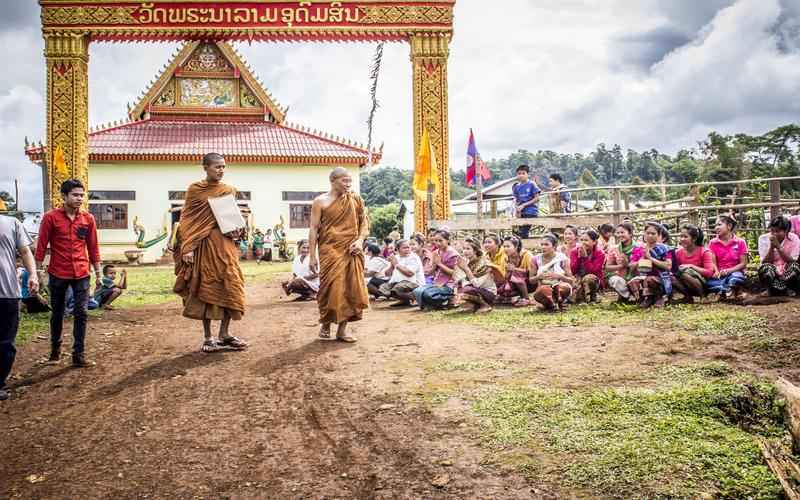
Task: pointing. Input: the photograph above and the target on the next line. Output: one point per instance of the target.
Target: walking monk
(207, 270)
(338, 228)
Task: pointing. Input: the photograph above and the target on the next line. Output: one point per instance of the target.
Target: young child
(526, 198)
(33, 302)
(107, 290)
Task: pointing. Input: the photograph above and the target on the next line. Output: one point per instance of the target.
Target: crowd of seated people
(647, 266)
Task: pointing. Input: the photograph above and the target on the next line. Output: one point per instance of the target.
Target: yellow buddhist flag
(60, 164)
(425, 169)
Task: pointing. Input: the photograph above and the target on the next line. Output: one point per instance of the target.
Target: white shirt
(377, 266)
(413, 263)
(302, 270)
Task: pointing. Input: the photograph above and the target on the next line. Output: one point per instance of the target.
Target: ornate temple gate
(68, 26)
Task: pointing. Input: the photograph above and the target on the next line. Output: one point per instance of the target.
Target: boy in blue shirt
(526, 198)
(107, 289)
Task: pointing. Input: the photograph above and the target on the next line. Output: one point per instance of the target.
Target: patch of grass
(31, 325)
(465, 366)
(692, 434)
(700, 319)
(152, 285)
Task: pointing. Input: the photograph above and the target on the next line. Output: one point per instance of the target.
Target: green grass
(700, 319)
(693, 434)
(148, 286)
(152, 285)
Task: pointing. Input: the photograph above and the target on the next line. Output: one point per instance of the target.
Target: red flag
(473, 159)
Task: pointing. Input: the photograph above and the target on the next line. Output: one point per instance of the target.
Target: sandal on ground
(347, 338)
(522, 303)
(233, 343)
(210, 345)
(325, 333)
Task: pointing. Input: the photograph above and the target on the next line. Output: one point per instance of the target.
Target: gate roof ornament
(262, 20)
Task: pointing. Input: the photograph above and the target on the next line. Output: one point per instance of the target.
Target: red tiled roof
(241, 142)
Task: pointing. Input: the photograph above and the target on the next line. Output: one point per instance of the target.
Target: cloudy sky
(524, 74)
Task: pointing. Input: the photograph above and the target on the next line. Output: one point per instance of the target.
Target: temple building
(206, 99)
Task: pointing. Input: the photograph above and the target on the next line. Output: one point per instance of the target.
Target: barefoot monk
(208, 277)
(338, 228)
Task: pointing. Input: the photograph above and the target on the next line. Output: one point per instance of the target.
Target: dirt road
(293, 417)
(289, 418)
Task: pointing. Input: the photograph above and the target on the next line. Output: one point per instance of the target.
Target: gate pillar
(67, 59)
(429, 60)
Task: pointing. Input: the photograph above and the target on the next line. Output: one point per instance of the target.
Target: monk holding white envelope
(208, 276)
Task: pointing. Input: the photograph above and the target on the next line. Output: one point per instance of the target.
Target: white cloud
(551, 74)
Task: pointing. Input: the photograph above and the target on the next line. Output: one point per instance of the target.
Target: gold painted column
(429, 60)
(67, 59)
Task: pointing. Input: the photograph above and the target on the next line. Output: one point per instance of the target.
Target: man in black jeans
(13, 239)
(71, 233)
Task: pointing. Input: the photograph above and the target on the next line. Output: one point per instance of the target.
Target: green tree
(383, 219)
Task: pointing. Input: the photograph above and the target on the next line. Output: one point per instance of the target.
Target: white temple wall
(153, 182)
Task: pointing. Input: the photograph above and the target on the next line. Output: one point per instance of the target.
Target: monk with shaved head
(338, 228)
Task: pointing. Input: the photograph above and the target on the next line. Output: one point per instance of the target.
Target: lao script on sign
(227, 213)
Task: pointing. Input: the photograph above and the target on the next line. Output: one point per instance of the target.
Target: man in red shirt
(71, 233)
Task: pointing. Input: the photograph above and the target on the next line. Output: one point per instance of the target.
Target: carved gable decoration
(207, 80)
(207, 59)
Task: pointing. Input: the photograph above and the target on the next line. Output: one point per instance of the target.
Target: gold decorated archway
(68, 27)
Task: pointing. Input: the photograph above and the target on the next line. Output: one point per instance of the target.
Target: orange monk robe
(213, 284)
(342, 292)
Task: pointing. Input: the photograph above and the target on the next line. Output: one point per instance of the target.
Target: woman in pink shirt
(695, 264)
(587, 261)
(570, 238)
(730, 254)
(779, 250)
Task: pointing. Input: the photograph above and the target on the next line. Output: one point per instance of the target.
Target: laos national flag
(473, 160)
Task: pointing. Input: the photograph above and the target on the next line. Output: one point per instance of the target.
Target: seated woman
(375, 268)
(444, 260)
(606, 241)
(779, 250)
(405, 274)
(695, 264)
(651, 264)
(570, 238)
(479, 291)
(518, 273)
(497, 260)
(587, 263)
(730, 253)
(551, 272)
(617, 270)
(304, 281)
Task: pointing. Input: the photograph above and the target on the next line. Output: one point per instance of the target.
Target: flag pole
(479, 185)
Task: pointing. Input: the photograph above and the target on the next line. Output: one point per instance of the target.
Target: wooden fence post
(617, 207)
(774, 197)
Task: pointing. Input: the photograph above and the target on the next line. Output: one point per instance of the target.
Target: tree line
(717, 158)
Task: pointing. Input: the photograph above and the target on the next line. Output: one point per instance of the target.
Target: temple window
(301, 195)
(299, 216)
(112, 195)
(110, 215)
